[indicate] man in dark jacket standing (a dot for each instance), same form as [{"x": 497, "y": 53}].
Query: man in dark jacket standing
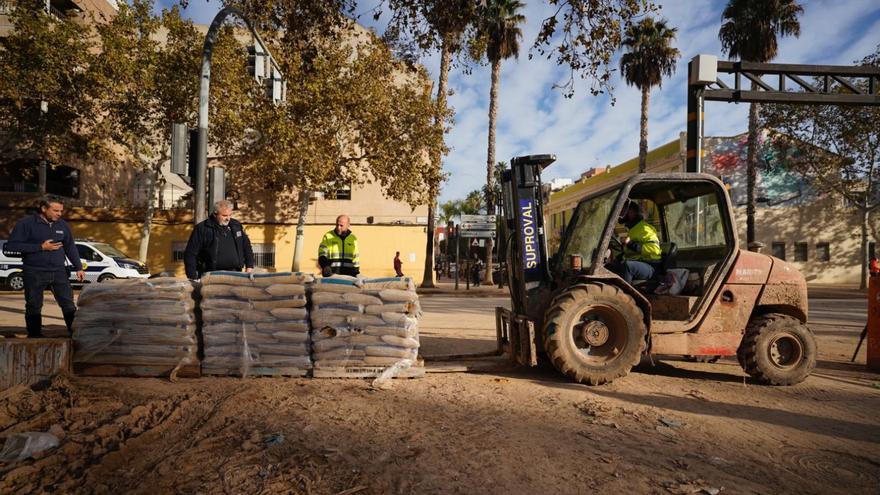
[
  {"x": 44, "y": 240},
  {"x": 218, "y": 243}
]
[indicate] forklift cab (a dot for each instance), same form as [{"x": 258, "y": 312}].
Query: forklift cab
[{"x": 693, "y": 219}]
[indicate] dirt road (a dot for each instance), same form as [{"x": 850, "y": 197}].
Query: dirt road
[{"x": 675, "y": 427}]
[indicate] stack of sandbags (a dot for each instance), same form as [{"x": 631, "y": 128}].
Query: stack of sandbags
[
  {"x": 255, "y": 323},
  {"x": 363, "y": 322},
  {"x": 142, "y": 326}
]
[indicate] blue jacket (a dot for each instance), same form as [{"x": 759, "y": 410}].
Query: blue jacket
[{"x": 29, "y": 234}]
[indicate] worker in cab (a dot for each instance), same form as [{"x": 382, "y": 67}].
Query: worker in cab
[
  {"x": 338, "y": 252},
  {"x": 641, "y": 255}
]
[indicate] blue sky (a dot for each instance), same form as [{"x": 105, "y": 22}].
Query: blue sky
[{"x": 586, "y": 131}]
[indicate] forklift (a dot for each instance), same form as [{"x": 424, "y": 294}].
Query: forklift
[{"x": 593, "y": 326}]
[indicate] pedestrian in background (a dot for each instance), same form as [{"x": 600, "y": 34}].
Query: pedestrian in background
[
  {"x": 398, "y": 265},
  {"x": 338, "y": 253},
  {"x": 44, "y": 241},
  {"x": 218, "y": 243}
]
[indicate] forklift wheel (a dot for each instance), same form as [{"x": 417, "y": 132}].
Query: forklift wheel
[
  {"x": 594, "y": 333},
  {"x": 777, "y": 349}
]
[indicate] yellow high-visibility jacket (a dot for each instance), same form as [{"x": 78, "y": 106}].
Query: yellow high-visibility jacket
[
  {"x": 340, "y": 253},
  {"x": 645, "y": 235}
]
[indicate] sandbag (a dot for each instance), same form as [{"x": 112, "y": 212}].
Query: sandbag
[
  {"x": 395, "y": 295},
  {"x": 272, "y": 331},
  {"x": 286, "y": 290},
  {"x": 389, "y": 351},
  {"x": 292, "y": 302},
  {"x": 399, "y": 283},
  {"x": 290, "y": 313}
]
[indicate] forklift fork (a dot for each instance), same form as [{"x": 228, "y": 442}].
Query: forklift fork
[{"x": 514, "y": 334}]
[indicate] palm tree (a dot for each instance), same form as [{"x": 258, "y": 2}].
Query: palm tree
[
  {"x": 500, "y": 25},
  {"x": 651, "y": 56},
  {"x": 749, "y": 33}
]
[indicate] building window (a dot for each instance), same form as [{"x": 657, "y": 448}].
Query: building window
[
  {"x": 20, "y": 176},
  {"x": 800, "y": 251},
  {"x": 340, "y": 193},
  {"x": 62, "y": 180},
  {"x": 264, "y": 255},
  {"x": 823, "y": 251},
  {"x": 779, "y": 250},
  {"x": 177, "y": 249}
]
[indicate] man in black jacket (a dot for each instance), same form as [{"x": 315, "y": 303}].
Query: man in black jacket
[
  {"x": 44, "y": 240},
  {"x": 218, "y": 243}
]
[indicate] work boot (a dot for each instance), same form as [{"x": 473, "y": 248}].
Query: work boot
[
  {"x": 68, "y": 320},
  {"x": 34, "y": 324}
]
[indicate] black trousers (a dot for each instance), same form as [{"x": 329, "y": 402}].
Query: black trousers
[{"x": 35, "y": 282}]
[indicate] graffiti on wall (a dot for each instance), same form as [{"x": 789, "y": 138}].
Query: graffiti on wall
[{"x": 777, "y": 184}]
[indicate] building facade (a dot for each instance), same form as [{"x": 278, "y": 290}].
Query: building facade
[{"x": 107, "y": 202}]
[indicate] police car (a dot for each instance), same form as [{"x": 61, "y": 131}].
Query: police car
[
  {"x": 10, "y": 270},
  {"x": 100, "y": 260}
]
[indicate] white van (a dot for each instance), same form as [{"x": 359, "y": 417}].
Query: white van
[{"x": 100, "y": 260}]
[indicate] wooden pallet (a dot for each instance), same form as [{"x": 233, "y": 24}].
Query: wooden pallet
[
  {"x": 138, "y": 370},
  {"x": 256, "y": 371},
  {"x": 417, "y": 371}
]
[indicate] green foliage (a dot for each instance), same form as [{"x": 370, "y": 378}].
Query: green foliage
[
  {"x": 146, "y": 82},
  {"x": 650, "y": 55},
  {"x": 353, "y": 114},
  {"x": 835, "y": 147},
  {"x": 584, "y": 34},
  {"x": 499, "y": 25},
  {"x": 42, "y": 63},
  {"x": 750, "y": 27}
]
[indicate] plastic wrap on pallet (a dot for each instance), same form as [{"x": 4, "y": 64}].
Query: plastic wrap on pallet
[
  {"x": 255, "y": 324},
  {"x": 363, "y": 323},
  {"x": 137, "y": 323}
]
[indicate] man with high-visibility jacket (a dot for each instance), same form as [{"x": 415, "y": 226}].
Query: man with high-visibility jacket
[
  {"x": 338, "y": 253},
  {"x": 641, "y": 248}
]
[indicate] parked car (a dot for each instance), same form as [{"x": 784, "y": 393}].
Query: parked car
[
  {"x": 100, "y": 260},
  {"x": 11, "y": 276}
]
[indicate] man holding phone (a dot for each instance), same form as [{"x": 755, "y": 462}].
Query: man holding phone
[{"x": 44, "y": 240}]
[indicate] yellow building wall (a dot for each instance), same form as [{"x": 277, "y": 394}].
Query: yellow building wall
[{"x": 377, "y": 244}]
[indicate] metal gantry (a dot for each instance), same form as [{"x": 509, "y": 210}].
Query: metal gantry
[{"x": 752, "y": 82}]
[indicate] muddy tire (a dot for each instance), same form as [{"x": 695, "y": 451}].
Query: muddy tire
[
  {"x": 777, "y": 349},
  {"x": 594, "y": 333}
]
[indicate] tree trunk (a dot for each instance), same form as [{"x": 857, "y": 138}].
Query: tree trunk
[
  {"x": 643, "y": 137},
  {"x": 152, "y": 180},
  {"x": 752, "y": 173},
  {"x": 300, "y": 230},
  {"x": 490, "y": 162},
  {"x": 863, "y": 278},
  {"x": 428, "y": 275}
]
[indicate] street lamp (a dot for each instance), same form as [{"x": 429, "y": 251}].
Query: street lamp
[{"x": 200, "y": 213}]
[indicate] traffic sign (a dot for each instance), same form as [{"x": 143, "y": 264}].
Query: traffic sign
[
  {"x": 478, "y": 233},
  {"x": 477, "y": 226},
  {"x": 478, "y": 219}
]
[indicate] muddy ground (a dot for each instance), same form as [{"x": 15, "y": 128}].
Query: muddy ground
[{"x": 674, "y": 427}]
